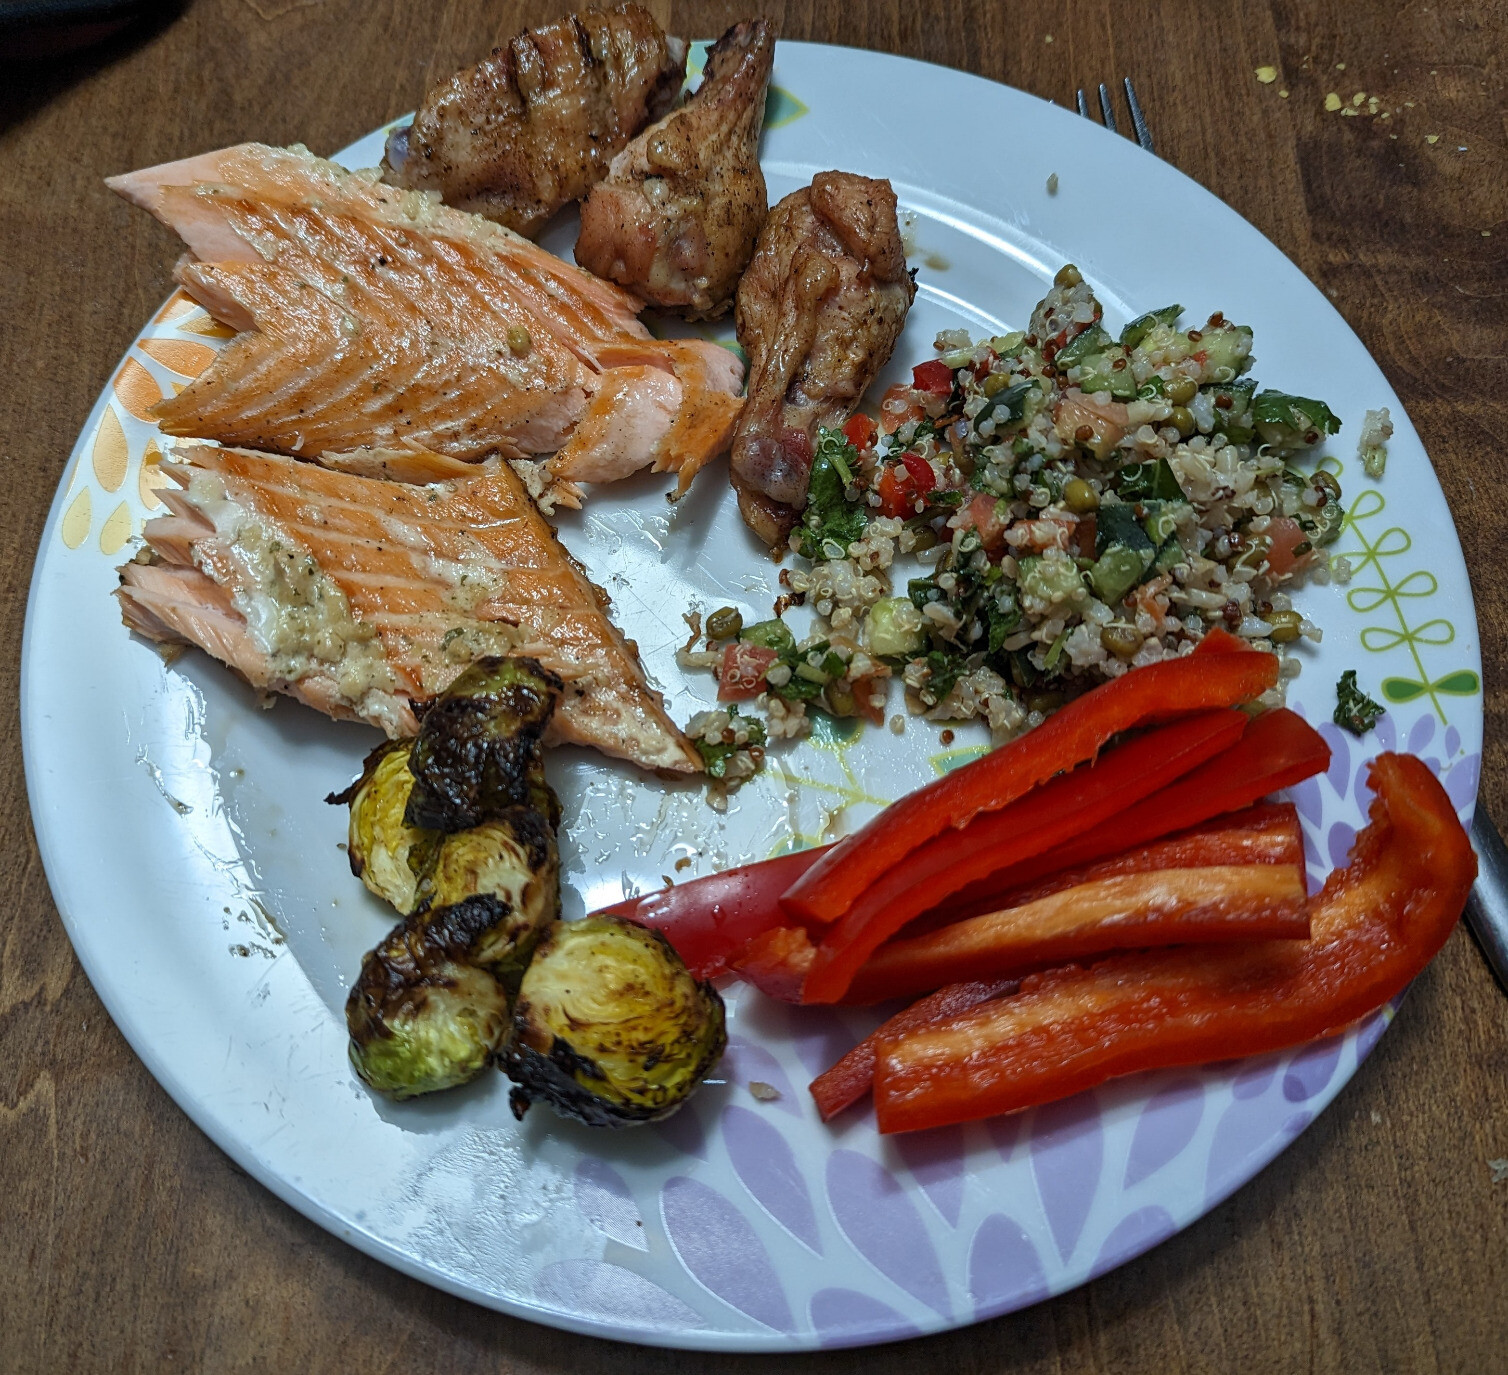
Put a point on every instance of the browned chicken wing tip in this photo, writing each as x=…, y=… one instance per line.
x=678, y=215
x=535, y=124
x=819, y=312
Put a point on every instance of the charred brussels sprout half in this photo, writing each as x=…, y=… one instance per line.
x=478, y=745
x=382, y=848
x=423, y=1015
x=514, y=861
x=609, y=1026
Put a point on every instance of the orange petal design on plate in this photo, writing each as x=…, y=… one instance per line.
x=208, y=326
x=151, y=476
x=116, y=530
x=137, y=391
x=179, y=304
x=111, y=453
x=186, y=358
x=75, y=525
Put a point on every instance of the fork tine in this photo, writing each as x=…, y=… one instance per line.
x=1081, y=102
x=1107, y=109
x=1138, y=120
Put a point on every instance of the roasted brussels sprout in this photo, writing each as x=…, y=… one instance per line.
x=379, y=844
x=477, y=751
x=609, y=1026
x=513, y=860
x=425, y=1014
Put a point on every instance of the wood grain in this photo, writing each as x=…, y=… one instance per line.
x=1377, y=1243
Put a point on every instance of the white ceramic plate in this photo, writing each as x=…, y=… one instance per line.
x=198, y=873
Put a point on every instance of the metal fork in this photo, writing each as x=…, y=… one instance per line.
x=1107, y=110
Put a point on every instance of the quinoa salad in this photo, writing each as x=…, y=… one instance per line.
x=1031, y=515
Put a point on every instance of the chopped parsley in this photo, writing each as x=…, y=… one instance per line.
x=831, y=521
x=715, y=755
x=1354, y=710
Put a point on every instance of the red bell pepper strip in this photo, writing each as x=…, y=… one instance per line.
x=1071, y=736
x=1054, y=813
x=710, y=919
x=1265, y=834
x=1133, y=911
x=1377, y=923
x=852, y=1077
x=1278, y=749
x=776, y=962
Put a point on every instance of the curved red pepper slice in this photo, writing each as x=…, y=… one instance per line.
x=852, y=1077
x=1068, y=738
x=1212, y=903
x=1278, y=750
x=1376, y=924
x=1054, y=813
x=710, y=919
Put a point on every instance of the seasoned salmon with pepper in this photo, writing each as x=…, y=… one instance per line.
x=365, y=597
x=371, y=317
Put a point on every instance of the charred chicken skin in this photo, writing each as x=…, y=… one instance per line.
x=678, y=215
x=534, y=125
x=819, y=310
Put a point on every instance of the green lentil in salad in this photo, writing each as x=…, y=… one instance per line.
x=1075, y=503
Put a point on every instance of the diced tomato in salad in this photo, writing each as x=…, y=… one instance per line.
x=934, y=377
x=861, y=431
x=741, y=674
x=1285, y=538
x=897, y=406
x=983, y=515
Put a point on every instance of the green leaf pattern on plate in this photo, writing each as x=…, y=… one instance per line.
x=1380, y=587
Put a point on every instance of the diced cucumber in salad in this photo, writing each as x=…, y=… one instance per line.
x=1039, y=511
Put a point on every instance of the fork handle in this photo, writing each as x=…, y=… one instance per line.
x=1487, y=907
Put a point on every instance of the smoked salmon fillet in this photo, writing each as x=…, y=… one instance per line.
x=370, y=316
x=364, y=597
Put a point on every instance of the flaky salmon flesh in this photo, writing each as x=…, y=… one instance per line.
x=364, y=597
x=373, y=316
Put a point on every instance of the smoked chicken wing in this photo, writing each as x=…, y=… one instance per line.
x=819, y=311
x=676, y=220
x=534, y=125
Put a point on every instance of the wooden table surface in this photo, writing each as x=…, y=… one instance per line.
x=1378, y=1242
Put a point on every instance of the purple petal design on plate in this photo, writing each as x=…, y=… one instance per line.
x=1005, y=1271
x=1312, y=1068
x=1387, y=731
x=744, y=1061
x=1005, y=1132
x=1369, y=1032
x=1422, y=733
x=1254, y=1076
x=684, y=1131
x=1167, y=1125
x=609, y=1293
x=1452, y=742
x=844, y=1317
x=1340, y=756
x=717, y=1245
x=819, y=1035
x=1133, y=1234
x=880, y=1220
x=1244, y=1135
x=763, y=1159
x=1461, y=781
x=1068, y=1152
x=604, y=1200
x=1306, y=797
x=1339, y=842
x=935, y=1159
